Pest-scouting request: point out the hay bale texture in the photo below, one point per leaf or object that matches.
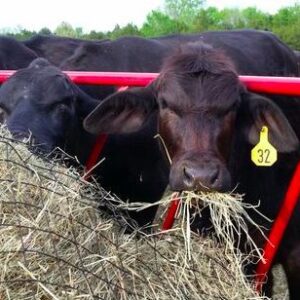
(56, 244)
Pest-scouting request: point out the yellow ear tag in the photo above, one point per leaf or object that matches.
(264, 154)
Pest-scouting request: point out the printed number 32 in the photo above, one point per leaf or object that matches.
(263, 156)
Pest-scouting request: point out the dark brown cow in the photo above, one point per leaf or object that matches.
(209, 123)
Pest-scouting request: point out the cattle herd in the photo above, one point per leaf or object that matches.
(207, 119)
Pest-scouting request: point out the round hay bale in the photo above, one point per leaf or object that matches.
(56, 244)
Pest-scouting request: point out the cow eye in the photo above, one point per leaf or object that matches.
(163, 103)
(61, 109)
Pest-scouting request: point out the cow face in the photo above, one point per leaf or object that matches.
(201, 107)
(41, 102)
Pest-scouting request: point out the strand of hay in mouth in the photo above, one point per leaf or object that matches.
(228, 214)
(56, 244)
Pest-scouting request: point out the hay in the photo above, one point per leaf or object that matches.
(229, 216)
(56, 244)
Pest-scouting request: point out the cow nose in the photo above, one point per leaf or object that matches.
(201, 179)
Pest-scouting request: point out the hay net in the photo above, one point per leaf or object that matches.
(55, 243)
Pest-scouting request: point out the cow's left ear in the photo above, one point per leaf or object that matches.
(122, 112)
(258, 111)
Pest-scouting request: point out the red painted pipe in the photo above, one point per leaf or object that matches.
(261, 84)
(289, 86)
(279, 226)
(94, 155)
(100, 78)
(171, 213)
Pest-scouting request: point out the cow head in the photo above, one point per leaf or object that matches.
(198, 99)
(41, 102)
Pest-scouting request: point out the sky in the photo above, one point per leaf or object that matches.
(100, 15)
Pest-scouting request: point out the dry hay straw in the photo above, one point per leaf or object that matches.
(55, 243)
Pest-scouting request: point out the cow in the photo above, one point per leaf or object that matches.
(137, 54)
(14, 55)
(209, 123)
(55, 48)
(44, 101)
(41, 102)
(125, 54)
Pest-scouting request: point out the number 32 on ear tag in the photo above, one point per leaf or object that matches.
(264, 154)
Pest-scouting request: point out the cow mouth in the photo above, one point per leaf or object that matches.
(32, 142)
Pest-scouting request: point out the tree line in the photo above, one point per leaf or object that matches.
(190, 16)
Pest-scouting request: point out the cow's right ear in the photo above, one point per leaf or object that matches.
(122, 112)
(257, 111)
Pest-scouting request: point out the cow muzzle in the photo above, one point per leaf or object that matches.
(203, 175)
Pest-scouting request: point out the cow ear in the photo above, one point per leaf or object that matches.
(259, 111)
(122, 112)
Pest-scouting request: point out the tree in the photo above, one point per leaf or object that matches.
(94, 35)
(78, 32)
(128, 30)
(287, 16)
(45, 31)
(255, 18)
(286, 24)
(183, 11)
(66, 29)
(231, 18)
(158, 23)
(22, 33)
(206, 19)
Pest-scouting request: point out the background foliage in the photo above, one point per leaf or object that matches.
(189, 16)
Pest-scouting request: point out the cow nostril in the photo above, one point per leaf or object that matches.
(189, 178)
(214, 177)
(202, 178)
(186, 173)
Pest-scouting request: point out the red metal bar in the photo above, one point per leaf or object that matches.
(100, 78)
(171, 213)
(261, 84)
(279, 226)
(289, 86)
(94, 154)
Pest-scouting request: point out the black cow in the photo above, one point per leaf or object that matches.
(133, 54)
(126, 54)
(14, 55)
(55, 48)
(136, 54)
(209, 123)
(42, 102)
